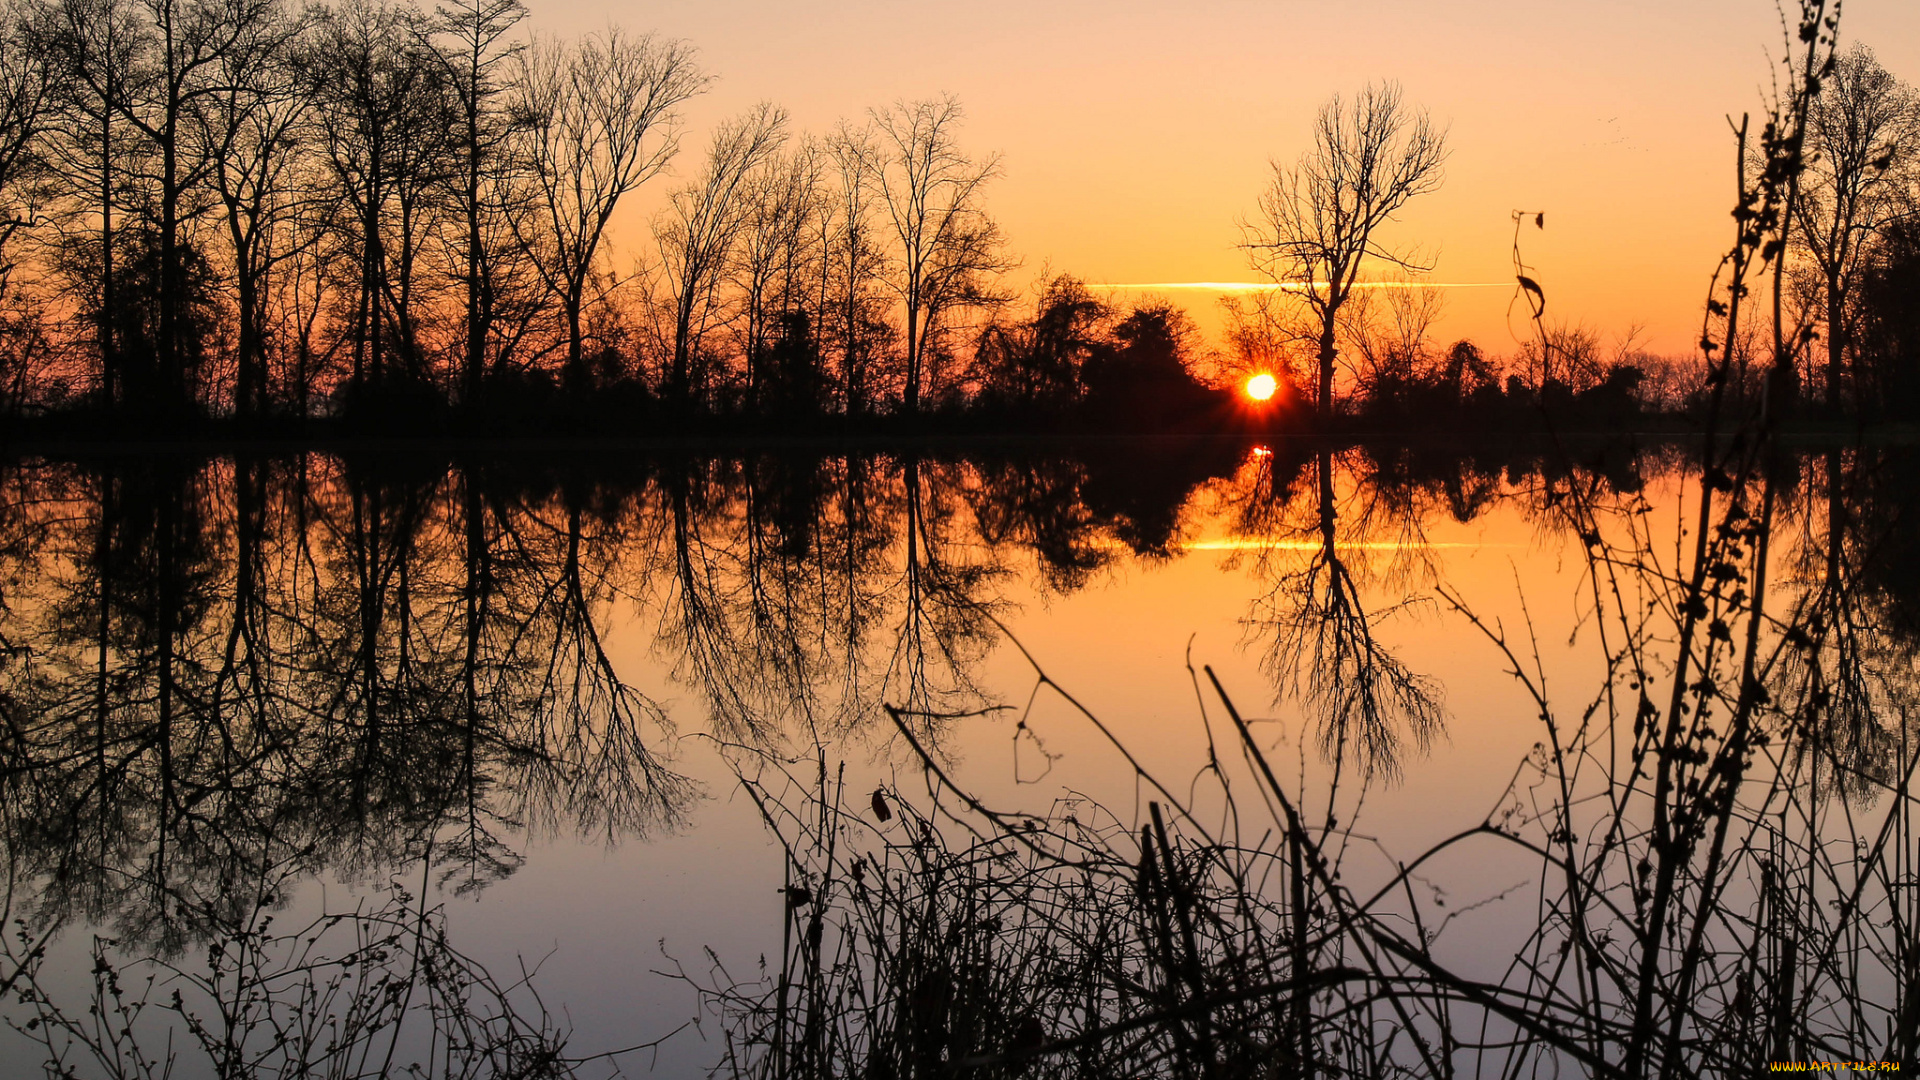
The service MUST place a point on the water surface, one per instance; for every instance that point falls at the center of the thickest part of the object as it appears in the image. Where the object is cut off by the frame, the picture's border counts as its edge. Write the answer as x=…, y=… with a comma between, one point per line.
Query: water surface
x=559, y=737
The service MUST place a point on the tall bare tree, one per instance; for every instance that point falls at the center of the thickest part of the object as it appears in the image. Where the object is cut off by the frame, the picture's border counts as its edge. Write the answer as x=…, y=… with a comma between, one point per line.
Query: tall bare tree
x=597, y=120
x=92, y=158
x=26, y=99
x=852, y=249
x=477, y=52
x=254, y=136
x=779, y=258
x=1863, y=134
x=199, y=49
x=697, y=234
x=387, y=120
x=1319, y=219
x=930, y=190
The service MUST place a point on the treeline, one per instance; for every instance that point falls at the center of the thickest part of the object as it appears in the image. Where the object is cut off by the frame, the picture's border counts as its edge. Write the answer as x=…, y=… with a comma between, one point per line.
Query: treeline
x=374, y=214
x=246, y=208
x=1394, y=374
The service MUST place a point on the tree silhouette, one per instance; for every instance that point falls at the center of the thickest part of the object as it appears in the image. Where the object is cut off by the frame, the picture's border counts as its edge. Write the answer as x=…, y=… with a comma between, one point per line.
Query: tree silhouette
x=1319, y=219
x=1863, y=143
x=698, y=234
x=597, y=119
x=947, y=247
x=478, y=57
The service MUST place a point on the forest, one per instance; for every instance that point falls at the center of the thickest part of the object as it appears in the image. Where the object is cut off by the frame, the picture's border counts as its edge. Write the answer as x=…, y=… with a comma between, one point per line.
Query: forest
x=247, y=216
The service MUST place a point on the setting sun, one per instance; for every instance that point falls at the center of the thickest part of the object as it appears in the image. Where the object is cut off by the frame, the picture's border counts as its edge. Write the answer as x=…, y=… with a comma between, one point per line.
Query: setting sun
x=1261, y=387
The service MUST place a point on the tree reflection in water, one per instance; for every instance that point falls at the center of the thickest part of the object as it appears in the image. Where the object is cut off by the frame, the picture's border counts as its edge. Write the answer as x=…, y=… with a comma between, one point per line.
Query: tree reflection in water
x=225, y=678
x=230, y=677
x=1722, y=828
x=1320, y=642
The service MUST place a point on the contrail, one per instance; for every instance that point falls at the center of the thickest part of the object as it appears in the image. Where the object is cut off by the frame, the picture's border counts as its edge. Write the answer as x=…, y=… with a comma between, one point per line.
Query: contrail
x=1253, y=544
x=1295, y=286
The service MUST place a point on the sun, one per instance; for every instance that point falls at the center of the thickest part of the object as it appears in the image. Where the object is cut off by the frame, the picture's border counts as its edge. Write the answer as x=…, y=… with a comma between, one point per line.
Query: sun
x=1262, y=386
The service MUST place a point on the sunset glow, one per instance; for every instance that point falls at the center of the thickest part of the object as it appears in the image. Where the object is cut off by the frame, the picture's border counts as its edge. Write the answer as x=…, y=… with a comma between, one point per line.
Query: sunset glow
x=1567, y=108
x=696, y=454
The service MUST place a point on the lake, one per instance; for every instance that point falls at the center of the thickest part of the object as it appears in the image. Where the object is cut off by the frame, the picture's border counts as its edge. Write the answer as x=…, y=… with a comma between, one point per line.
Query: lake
x=1120, y=757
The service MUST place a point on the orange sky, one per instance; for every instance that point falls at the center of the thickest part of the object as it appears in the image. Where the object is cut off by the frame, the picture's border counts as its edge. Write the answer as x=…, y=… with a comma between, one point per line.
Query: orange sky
x=1135, y=134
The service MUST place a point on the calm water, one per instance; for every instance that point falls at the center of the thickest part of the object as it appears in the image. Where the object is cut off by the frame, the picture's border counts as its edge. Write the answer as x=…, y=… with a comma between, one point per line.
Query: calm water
x=383, y=758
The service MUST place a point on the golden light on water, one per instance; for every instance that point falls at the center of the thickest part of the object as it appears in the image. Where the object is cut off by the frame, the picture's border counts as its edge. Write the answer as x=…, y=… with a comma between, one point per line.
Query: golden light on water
x=1262, y=386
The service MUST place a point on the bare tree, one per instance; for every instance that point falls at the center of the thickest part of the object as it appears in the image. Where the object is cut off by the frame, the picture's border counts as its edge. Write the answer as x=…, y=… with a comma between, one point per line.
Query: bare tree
x=253, y=135
x=387, y=123
x=1566, y=358
x=1318, y=219
x=962, y=276
x=199, y=48
x=94, y=46
x=930, y=190
x=856, y=263
x=778, y=257
x=26, y=92
x=477, y=48
x=1863, y=131
x=698, y=231
x=1389, y=326
x=26, y=99
x=597, y=119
